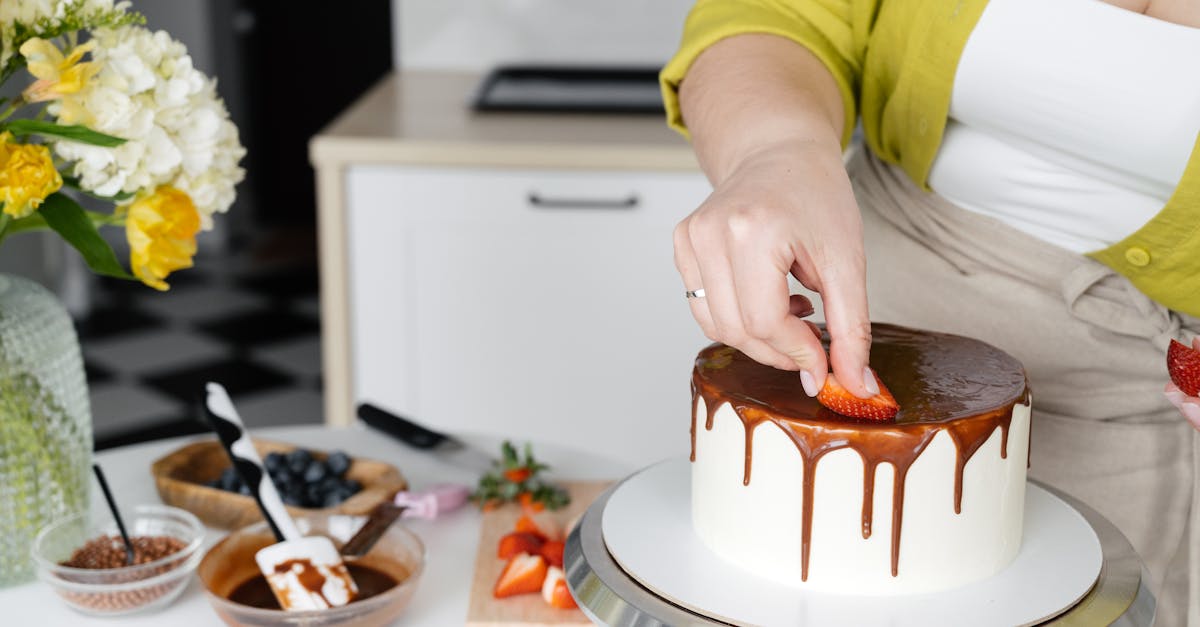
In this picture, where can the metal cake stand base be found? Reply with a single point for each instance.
(611, 597)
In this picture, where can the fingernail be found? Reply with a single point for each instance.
(1192, 412)
(809, 383)
(869, 381)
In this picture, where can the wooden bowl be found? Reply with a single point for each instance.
(180, 478)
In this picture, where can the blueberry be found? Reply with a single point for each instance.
(293, 485)
(293, 499)
(298, 460)
(329, 484)
(332, 499)
(315, 472)
(230, 480)
(338, 463)
(283, 474)
(243, 489)
(352, 485)
(274, 462)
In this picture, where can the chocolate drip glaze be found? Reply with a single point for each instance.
(942, 383)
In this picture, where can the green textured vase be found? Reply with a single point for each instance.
(45, 421)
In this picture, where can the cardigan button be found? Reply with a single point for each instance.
(1137, 256)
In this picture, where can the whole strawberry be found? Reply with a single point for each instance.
(1183, 364)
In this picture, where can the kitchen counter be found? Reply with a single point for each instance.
(425, 118)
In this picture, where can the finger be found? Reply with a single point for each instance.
(688, 265)
(722, 301)
(765, 354)
(1191, 411)
(1174, 395)
(844, 292)
(689, 271)
(766, 311)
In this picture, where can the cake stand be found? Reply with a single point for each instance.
(611, 596)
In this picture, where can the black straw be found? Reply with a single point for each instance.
(112, 507)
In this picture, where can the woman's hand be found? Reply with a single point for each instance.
(1189, 406)
(786, 208)
(767, 122)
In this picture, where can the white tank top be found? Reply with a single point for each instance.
(1071, 120)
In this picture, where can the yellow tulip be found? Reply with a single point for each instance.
(57, 74)
(27, 176)
(161, 229)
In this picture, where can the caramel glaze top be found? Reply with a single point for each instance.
(942, 382)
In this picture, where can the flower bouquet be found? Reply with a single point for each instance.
(101, 106)
(123, 117)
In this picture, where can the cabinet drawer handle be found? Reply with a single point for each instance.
(543, 202)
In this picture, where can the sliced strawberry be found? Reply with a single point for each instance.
(525, 524)
(519, 542)
(522, 574)
(880, 407)
(543, 524)
(1183, 364)
(553, 552)
(555, 591)
(517, 475)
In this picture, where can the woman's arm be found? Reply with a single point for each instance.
(766, 118)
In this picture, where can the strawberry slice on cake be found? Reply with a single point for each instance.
(837, 398)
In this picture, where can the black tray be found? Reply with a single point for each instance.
(561, 89)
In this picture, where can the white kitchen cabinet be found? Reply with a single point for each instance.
(506, 273)
(533, 302)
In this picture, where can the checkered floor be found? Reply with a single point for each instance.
(148, 354)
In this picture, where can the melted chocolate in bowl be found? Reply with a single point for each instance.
(942, 383)
(256, 592)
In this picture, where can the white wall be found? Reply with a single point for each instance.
(476, 35)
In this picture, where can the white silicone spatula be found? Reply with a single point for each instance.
(305, 572)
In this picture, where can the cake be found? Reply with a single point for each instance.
(786, 489)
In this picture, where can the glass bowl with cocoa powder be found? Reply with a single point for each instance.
(83, 559)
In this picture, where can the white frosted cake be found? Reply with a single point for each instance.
(933, 499)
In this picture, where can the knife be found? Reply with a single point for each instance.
(445, 447)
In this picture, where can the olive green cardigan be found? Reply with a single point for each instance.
(894, 62)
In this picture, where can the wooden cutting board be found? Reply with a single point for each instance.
(528, 609)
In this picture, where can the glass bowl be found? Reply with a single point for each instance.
(124, 590)
(399, 554)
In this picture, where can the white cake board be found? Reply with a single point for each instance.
(647, 529)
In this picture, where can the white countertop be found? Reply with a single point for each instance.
(451, 541)
(425, 118)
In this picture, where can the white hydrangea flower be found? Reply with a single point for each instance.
(50, 13)
(177, 129)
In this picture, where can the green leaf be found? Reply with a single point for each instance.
(31, 222)
(70, 221)
(73, 132)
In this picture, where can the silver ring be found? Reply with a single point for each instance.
(695, 293)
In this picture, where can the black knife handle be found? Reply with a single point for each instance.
(399, 427)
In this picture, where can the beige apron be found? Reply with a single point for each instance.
(1094, 348)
